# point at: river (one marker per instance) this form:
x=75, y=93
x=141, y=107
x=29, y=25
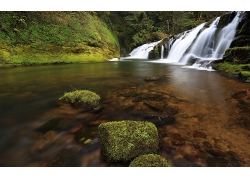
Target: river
x=210, y=113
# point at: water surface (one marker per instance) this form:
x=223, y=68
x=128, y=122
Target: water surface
x=210, y=111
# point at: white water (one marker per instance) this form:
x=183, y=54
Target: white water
x=162, y=51
x=180, y=45
x=207, y=45
x=142, y=51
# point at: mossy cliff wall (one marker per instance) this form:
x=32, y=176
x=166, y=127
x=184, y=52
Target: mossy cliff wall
x=54, y=37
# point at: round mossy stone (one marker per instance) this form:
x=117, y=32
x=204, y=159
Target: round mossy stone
x=127, y=139
x=81, y=99
x=150, y=160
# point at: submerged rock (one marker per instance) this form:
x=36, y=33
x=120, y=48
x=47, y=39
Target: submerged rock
x=160, y=119
x=127, y=139
x=65, y=158
x=150, y=160
x=51, y=124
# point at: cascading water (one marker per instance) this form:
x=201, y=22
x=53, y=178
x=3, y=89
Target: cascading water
x=162, y=51
x=142, y=51
x=201, y=44
x=180, y=45
x=210, y=44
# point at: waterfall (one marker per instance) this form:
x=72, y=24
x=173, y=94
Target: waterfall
x=180, y=45
x=162, y=51
x=198, y=44
x=142, y=51
x=210, y=44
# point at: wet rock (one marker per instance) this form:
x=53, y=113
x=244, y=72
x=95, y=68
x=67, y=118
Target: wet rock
x=151, y=78
x=216, y=162
x=190, y=157
x=170, y=110
x=40, y=147
x=155, y=105
x=50, y=135
x=202, y=155
x=85, y=135
x=97, y=122
x=167, y=146
x=217, y=152
x=65, y=158
x=75, y=129
x=83, y=100
x=181, y=162
x=196, y=145
x=127, y=139
x=177, y=140
x=150, y=160
x=160, y=120
x=207, y=144
x=199, y=134
x=51, y=124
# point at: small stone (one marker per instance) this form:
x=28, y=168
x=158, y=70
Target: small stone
x=177, y=140
x=199, y=134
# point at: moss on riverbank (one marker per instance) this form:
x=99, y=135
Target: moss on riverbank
x=37, y=38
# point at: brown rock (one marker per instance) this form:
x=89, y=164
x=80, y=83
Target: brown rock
x=181, y=162
x=199, y=134
x=216, y=162
x=177, y=140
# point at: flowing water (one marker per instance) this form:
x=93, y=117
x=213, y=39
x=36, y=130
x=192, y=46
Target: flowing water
x=209, y=113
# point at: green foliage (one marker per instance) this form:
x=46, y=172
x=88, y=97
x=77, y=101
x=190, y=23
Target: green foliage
x=150, y=160
x=124, y=140
x=43, y=29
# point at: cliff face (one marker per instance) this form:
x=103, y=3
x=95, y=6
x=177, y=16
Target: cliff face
x=54, y=37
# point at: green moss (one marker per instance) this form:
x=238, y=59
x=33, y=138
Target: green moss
x=84, y=97
x=87, y=141
x=231, y=68
x=245, y=73
x=237, y=55
x=150, y=160
x=125, y=140
x=39, y=38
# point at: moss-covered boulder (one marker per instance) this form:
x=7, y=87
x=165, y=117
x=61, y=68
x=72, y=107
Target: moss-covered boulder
x=82, y=99
x=122, y=141
x=150, y=160
x=237, y=55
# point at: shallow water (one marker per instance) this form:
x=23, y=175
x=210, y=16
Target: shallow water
x=210, y=112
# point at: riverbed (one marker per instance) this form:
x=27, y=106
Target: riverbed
x=202, y=116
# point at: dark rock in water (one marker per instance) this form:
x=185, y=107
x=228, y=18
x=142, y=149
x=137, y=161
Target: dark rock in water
x=50, y=135
x=216, y=162
x=160, y=120
x=202, y=155
x=51, y=124
x=155, y=105
x=207, y=144
x=151, y=78
x=217, y=152
x=181, y=162
x=199, y=134
x=190, y=157
x=93, y=145
x=177, y=140
x=65, y=158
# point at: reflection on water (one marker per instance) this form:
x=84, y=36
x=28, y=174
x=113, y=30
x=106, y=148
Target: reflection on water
x=210, y=128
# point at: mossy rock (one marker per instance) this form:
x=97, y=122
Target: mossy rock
x=237, y=55
x=122, y=141
x=150, y=160
x=82, y=99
